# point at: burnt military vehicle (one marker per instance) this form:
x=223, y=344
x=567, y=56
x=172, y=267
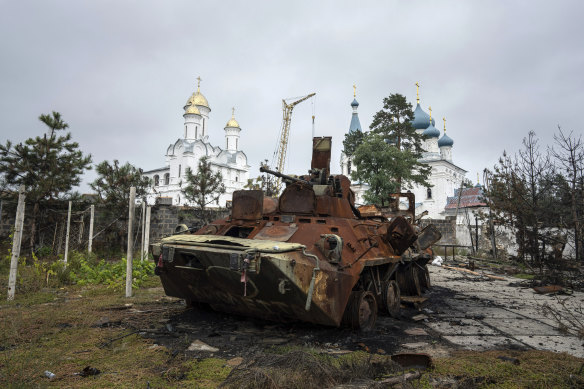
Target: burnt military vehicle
x=308, y=255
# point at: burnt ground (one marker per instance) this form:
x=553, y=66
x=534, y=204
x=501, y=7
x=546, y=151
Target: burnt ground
x=462, y=312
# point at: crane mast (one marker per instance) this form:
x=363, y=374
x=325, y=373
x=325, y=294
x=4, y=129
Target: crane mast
x=285, y=132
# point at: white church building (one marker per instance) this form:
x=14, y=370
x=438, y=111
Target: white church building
x=185, y=152
x=445, y=176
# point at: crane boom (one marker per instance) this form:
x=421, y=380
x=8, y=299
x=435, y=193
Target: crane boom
x=283, y=141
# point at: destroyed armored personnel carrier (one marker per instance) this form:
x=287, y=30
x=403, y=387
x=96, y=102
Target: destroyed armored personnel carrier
x=308, y=255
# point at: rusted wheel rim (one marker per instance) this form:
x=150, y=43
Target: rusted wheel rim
x=366, y=313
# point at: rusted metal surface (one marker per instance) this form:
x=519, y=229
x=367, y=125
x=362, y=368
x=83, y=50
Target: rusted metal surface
x=306, y=256
x=247, y=204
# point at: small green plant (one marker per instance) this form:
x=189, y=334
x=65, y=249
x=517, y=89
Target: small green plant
x=112, y=274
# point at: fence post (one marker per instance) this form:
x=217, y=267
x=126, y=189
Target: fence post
x=16, y=243
x=147, y=231
x=91, y=229
x=130, y=242
x=143, y=229
x=67, y=235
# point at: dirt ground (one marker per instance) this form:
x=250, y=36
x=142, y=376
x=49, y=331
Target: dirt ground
x=479, y=332
x=462, y=312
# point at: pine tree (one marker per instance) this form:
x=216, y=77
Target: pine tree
x=204, y=187
x=49, y=166
x=388, y=157
x=113, y=184
x=352, y=140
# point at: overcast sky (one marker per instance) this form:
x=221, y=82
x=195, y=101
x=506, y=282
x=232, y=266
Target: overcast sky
x=120, y=72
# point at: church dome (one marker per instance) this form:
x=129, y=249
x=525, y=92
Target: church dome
x=421, y=119
x=445, y=141
x=193, y=110
x=354, y=103
x=431, y=131
x=198, y=99
x=232, y=123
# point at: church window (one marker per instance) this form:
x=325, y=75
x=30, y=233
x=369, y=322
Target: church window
x=227, y=143
x=429, y=193
x=196, y=131
x=349, y=167
x=185, y=131
x=167, y=179
x=236, y=178
x=179, y=169
x=203, y=126
x=236, y=143
x=156, y=180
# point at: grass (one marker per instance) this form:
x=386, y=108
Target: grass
x=535, y=369
x=55, y=329
x=524, y=276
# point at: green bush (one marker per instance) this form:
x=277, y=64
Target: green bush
x=112, y=274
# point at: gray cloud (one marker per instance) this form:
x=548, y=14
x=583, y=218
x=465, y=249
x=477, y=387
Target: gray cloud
x=121, y=72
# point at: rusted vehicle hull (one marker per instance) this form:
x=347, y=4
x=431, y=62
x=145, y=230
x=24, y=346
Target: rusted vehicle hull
x=275, y=286
x=309, y=255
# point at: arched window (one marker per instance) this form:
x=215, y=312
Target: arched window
x=203, y=127
x=185, y=131
x=236, y=143
x=156, y=180
x=349, y=167
x=196, y=132
x=179, y=169
x=167, y=179
x=429, y=193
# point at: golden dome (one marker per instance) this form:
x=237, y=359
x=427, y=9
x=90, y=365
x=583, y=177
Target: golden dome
x=199, y=99
x=192, y=109
x=232, y=123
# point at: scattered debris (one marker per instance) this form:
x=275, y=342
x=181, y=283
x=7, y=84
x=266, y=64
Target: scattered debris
x=49, y=375
x=419, y=317
x=88, y=371
x=548, y=289
x=437, y=261
x=274, y=341
x=412, y=361
x=474, y=273
x=235, y=361
x=416, y=345
x=495, y=277
x=514, y=361
x=402, y=378
x=197, y=345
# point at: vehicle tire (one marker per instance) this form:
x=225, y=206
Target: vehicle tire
x=424, y=278
x=390, y=299
x=361, y=311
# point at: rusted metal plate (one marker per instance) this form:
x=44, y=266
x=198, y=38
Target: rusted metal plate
x=400, y=234
x=247, y=204
x=298, y=198
x=277, y=233
x=321, y=152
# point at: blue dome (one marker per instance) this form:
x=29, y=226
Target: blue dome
x=354, y=103
x=431, y=131
x=445, y=141
x=421, y=119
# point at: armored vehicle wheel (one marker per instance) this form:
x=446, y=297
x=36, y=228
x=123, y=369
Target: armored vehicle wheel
x=361, y=311
x=424, y=277
x=390, y=299
x=408, y=280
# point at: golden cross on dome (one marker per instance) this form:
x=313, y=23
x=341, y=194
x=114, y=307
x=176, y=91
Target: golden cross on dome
x=354, y=90
x=198, y=83
x=232, y=112
x=418, y=92
x=478, y=182
x=444, y=124
x=430, y=109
